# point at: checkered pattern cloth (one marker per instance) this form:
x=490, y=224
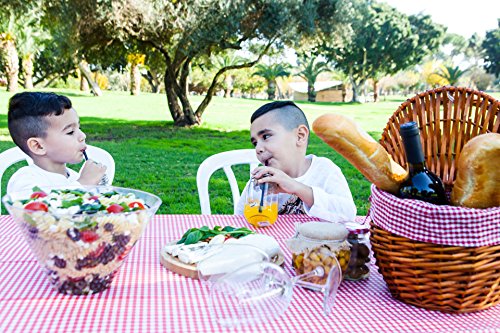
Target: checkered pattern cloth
x=145, y=297
x=425, y=222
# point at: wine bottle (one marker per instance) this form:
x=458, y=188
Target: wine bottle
x=421, y=184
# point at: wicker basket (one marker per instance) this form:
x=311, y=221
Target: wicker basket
x=440, y=277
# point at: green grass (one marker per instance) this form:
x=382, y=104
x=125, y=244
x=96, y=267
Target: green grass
x=153, y=155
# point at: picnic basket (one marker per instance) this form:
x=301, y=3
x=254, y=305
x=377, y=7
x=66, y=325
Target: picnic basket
x=432, y=275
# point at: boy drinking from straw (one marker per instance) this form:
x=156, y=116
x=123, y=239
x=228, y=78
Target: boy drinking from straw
x=47, y=128
x=307, y=184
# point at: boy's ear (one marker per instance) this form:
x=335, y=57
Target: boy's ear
x=36, y=146
x=302, y=135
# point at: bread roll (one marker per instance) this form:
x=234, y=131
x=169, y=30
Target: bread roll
x=361, y=150
x=478, y=173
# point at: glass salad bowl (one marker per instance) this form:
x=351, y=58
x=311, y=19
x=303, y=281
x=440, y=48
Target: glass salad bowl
x=81, y=236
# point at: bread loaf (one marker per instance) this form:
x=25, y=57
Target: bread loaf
x=361, y=150
x=477, y=184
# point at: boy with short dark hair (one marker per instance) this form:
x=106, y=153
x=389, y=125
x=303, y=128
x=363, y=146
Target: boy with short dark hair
x=307, y=184
x=47, y=128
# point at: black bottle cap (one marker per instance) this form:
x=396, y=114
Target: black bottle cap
x=411, y=140
x=409, y=129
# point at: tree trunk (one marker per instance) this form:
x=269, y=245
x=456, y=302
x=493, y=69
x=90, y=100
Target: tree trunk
x=229, y=85
x=153, y=81
x=83, y=66
x=84, y=85
x=174, y=95
x=311, y=93
x=375, y=90
x=355, y=88
x=28, y=71
x=271, y=90
x=135, y=79
x=11, y=64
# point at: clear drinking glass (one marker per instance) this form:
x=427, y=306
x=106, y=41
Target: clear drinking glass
x=261, y=207
x=228, y=258
x=263, y=291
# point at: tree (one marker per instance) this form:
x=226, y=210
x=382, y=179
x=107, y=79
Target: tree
x=450, y=74
x=270, y=73
x=226, y=60
x=9, y=59
x=135, y=60
x=384, y=42
x=184, y=31
x=310, y=68
x=491, y=46
x=78, y=36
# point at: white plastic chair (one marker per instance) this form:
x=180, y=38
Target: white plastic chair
x=15, y=154
x=223, y=161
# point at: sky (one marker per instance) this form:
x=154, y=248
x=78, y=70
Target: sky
x=461, y=17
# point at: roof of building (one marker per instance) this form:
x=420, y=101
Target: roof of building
x=318, y=86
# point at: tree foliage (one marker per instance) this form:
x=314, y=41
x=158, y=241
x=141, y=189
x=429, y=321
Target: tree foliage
x=491, y=45
x=310, y=68
x=184, y=31
x=385, y=41
x=270, y=73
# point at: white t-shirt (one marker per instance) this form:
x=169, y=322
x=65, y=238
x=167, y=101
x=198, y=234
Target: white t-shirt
x=332, y=198
x=24, y=179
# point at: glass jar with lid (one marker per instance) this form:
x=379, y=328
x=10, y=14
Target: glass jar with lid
x=315, y=244
x=358, y=238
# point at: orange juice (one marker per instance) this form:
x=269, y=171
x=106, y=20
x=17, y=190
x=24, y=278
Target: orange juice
x=266, y=217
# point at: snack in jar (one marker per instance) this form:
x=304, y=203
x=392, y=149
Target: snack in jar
x=315, y=244
x=358, y=268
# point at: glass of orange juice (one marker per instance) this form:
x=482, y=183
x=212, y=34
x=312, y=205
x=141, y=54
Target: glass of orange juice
x=261, y=207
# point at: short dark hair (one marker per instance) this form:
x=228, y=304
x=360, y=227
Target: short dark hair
x=288, y=114
x=28, y=112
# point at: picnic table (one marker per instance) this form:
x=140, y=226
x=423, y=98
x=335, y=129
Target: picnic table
x=145, y=297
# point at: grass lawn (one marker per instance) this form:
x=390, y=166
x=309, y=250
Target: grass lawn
x=154, y=156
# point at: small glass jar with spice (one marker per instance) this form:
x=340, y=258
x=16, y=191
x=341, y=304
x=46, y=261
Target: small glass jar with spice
x=358, y=267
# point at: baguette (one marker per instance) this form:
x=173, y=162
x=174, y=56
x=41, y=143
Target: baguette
x=361, y=150
x=478, y=173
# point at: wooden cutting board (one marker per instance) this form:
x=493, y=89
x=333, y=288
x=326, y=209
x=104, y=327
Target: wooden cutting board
x=175, y=265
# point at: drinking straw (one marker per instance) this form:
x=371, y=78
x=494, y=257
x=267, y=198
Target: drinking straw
x=85, y=155
x=262, y=188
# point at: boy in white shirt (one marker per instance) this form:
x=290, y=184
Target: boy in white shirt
x=307, y=184
x=47, y=128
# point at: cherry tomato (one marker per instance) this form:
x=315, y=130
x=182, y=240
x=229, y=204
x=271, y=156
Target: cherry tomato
x=37, y=206
x=88, y=236
x=38, y=194
x=94, y=197
x=114, y=208
x=136, y=204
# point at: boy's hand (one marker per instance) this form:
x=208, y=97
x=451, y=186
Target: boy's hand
x=285, y=183
x=91, y=173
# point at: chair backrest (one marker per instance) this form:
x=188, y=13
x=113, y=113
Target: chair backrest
x=223, y=161
x=100, y=155
x=15, y=154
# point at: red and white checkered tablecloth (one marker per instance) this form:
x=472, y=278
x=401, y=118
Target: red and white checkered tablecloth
x=145, y=297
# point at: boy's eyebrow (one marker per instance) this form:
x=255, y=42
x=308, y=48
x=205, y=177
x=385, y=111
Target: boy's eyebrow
x=265, y=130
x=69, y=126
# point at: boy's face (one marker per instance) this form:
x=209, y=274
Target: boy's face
x=276, y=146
x=64, y=142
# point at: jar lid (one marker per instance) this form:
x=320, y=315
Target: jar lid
x=322, y=231
x=355, y=228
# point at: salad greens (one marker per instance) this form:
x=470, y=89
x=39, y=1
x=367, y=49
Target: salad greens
x=195, y=235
